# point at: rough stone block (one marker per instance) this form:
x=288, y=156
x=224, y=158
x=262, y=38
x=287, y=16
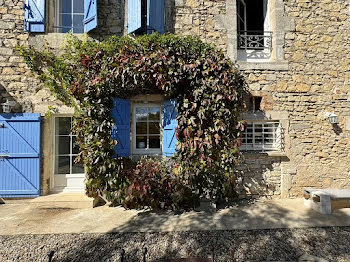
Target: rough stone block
x=7, y=25
x=347, y=123
x=5, y=51
x=288, y=168
x=3, y=10
x=286, y=185
x=10, y=42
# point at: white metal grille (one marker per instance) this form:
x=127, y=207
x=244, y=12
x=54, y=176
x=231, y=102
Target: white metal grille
x=263, y=136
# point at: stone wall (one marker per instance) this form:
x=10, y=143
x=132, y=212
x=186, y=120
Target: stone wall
x=308, y=75
x=315, y=81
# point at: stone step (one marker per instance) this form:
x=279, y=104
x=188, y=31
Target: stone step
x=64, y=200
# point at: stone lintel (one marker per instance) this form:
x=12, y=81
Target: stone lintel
x=266, y=115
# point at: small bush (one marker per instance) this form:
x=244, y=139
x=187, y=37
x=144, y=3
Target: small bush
x=153, y=184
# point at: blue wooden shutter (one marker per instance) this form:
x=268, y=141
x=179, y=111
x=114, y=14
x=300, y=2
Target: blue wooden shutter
x=134, y=15
x=170, y=125
x=34, y=16
x=121, y=131
x=155, y=15
x=19, y=155
x=90, y=15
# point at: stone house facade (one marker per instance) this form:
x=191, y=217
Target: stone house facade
x=296, y=59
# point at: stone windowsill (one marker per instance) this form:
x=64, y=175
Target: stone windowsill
x=268, y=65
x=268, y=153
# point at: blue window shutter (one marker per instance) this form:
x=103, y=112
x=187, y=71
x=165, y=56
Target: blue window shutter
x=170, y=125
x=34, y=16
x=90, y=15
x=134, y=15
x=155, y=15
x=121, y=131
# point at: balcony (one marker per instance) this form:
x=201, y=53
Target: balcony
x=254, y=46
x=254, y=40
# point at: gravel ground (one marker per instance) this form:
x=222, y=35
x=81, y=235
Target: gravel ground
x=332, y=243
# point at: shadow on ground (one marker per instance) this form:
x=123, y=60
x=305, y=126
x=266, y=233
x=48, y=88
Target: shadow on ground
x=230, y=242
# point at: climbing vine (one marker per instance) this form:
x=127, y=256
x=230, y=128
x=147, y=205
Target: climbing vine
x=87, y=75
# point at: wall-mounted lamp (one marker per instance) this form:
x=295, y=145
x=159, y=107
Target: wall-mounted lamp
x=332, y=118
x=8, y=105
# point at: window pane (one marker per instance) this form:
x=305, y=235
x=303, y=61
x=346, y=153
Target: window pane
x=78, y=24
x=63, y=165
x=141, y=128
x=63, y=125
x=154, y=142
x=63, y=145
x=141, y=113
x=141, y=142
x=77, y=168
x=67, y=6
x=78, y=6
x=66, y=23
x=154, y=128
x=75, y=149
x=154, y=113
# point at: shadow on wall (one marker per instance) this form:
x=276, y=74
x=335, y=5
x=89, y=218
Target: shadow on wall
x=26, y=106
x=170, y=14
x=259, y=175
x=232, y=236
x=113, y=18
x=337, y=129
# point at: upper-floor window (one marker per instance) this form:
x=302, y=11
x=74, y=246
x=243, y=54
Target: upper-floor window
x=69, y=16
x=78, y=16
x=145, y=16
x=254, y=38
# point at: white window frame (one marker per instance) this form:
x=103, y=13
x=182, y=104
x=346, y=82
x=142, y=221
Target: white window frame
x=147, y=151
x=277, y=137
x=55, y=148
x=58, y=17
x=254, y=55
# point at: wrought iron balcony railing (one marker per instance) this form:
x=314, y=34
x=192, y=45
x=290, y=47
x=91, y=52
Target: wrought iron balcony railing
x=254, y=40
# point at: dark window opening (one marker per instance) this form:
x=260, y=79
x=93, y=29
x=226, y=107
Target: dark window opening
x=143, y=29
x=251, y=17
x=255, y=103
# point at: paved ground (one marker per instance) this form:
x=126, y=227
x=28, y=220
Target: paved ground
x=21, y=217
x=269, y=230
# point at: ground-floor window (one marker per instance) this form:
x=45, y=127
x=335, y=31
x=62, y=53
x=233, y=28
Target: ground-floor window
x=263, y=136
x=65, y=148
x=146, y=126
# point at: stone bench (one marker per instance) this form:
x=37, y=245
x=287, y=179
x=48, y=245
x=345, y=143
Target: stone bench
x=326, y=200
x=190, y=259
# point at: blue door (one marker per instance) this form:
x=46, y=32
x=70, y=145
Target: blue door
x=19, y=155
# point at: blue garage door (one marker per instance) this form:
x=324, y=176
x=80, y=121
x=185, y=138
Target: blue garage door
x=19, y=155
